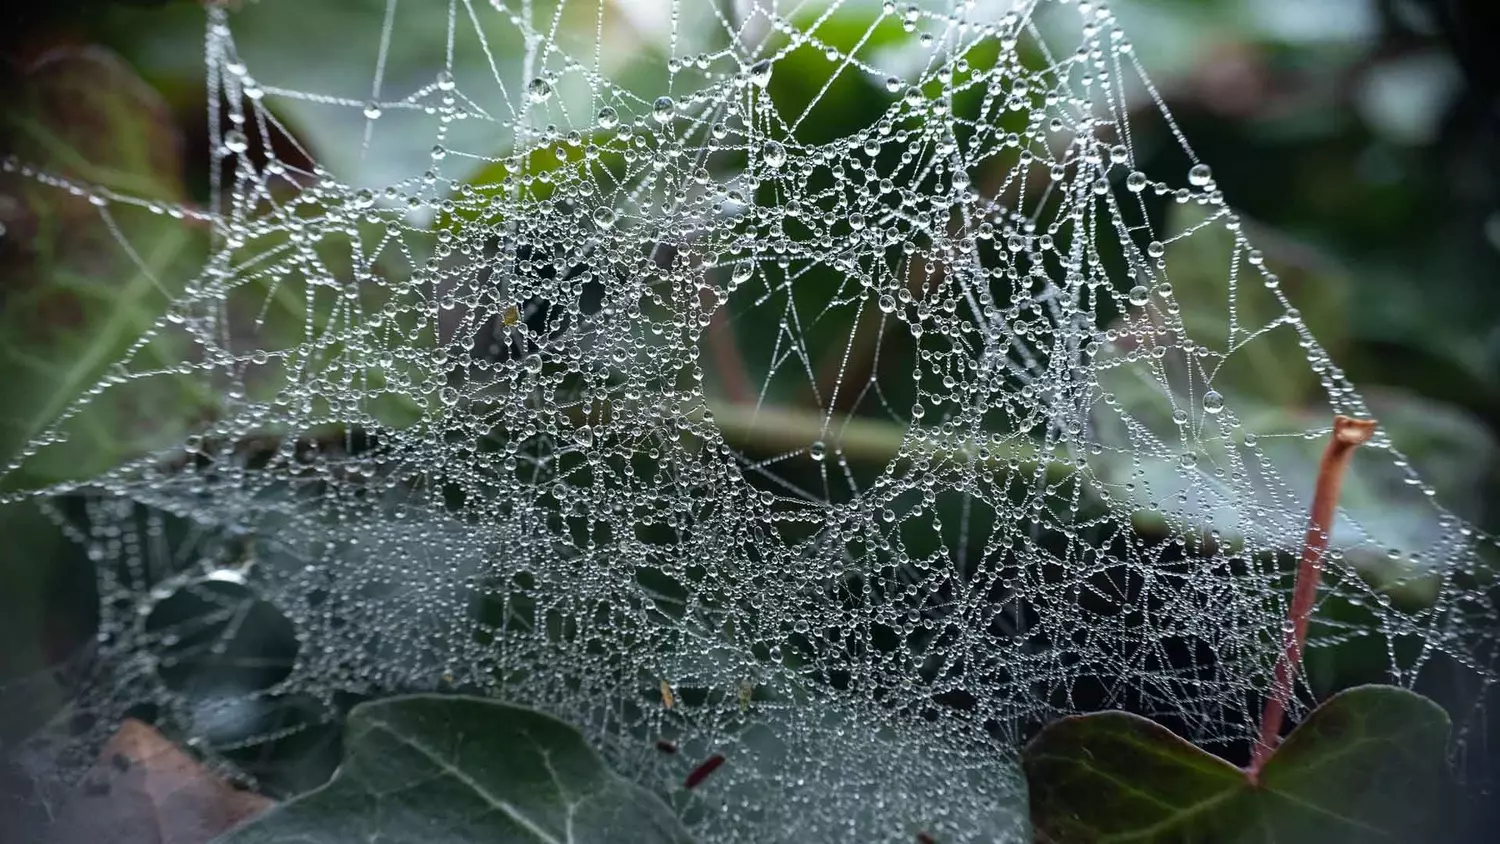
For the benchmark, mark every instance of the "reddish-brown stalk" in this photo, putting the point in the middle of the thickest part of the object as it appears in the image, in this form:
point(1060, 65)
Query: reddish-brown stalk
point(697, 775)
point(1348, 434)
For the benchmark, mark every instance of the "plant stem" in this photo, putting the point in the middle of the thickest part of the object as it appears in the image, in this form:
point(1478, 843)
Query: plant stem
point(781, 429)
point(1348, 434)
point(772, 429)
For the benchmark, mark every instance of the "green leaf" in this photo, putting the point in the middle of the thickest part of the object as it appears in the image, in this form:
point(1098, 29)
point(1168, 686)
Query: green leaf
point(86, 282)
point(486, 56)
point(437, 769)
point(1367, 765)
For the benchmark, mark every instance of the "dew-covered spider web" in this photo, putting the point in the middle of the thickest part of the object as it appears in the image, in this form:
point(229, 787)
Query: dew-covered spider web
point(611, 362)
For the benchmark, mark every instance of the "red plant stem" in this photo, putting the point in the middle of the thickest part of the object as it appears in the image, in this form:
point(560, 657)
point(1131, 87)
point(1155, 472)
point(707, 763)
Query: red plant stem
point(1348, 434)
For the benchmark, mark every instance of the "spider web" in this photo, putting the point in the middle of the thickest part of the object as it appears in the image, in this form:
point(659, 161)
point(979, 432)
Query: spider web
point(649, 391)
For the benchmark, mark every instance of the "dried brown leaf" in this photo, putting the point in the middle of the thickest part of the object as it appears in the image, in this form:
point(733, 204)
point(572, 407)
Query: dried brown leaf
point(144, 790)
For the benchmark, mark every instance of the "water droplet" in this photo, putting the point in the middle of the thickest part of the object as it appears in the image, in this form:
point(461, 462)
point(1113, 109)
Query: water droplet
point(914, 96)
point(533, 364)
point(445, 80)
point(817, 451)
point(760, 73)
point(1213, 401)
point(1136, 182)
point(1188, 460)
point(742, 271)
point(773, 153)
point(1200, 175)
point(235, 141)
point(887, 303)
point(604, 217)
point(663, 109)
point(539, 90)
point(1139, 295)
point(1119, 154)
point(893, 83)
point(608, 118)
point(584, 436)
point(1156, 249)
point(1180, 416)
point(224, 575)
point(372, 110)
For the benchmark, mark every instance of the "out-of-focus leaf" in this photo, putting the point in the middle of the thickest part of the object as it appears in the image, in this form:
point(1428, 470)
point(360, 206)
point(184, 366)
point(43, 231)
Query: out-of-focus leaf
point(806, 75)
point(490, 77)
point(1368, 765)
point(85, 276)
point(440, 769)
point(47, 607)
point(1271, 397)
point(1201, 257)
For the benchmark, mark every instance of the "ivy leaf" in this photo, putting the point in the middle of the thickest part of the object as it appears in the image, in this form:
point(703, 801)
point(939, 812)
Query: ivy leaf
point(1366, 766)
point(438, 769)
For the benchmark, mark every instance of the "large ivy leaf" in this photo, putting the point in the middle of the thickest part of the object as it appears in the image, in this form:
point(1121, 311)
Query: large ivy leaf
point(84, 281)
point(1366, 766)
point(437, 769)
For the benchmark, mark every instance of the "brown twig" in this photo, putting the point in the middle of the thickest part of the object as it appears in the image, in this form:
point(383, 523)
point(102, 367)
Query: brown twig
point(1348, 434)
